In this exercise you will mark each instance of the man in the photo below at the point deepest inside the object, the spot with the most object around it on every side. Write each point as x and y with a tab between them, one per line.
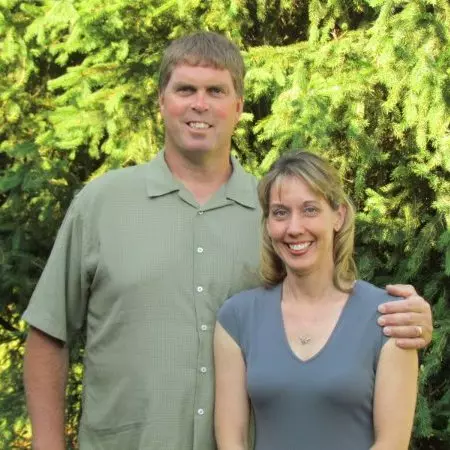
145	257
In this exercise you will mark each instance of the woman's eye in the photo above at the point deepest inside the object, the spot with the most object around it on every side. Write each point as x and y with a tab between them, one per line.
279	212
311	211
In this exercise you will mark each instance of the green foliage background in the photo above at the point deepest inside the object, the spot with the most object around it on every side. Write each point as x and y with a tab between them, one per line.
366	83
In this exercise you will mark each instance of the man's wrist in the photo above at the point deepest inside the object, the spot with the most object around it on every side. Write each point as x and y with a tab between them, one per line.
49	444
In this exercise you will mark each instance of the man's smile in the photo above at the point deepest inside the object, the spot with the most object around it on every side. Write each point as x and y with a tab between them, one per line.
198	125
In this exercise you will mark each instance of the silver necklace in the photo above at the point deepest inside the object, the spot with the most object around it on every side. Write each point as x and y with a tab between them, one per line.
304	339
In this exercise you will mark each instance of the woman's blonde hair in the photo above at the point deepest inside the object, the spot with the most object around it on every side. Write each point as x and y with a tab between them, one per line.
324	180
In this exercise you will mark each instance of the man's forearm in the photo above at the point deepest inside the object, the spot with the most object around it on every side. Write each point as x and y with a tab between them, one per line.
45	377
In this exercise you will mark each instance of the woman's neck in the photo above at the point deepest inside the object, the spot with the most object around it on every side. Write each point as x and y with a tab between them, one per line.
310	289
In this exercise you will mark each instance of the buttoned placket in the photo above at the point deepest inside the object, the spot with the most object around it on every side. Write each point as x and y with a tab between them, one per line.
205	275
205	324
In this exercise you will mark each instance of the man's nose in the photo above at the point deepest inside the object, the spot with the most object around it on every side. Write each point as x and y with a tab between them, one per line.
200	102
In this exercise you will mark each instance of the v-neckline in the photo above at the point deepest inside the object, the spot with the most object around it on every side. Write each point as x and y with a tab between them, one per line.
331	337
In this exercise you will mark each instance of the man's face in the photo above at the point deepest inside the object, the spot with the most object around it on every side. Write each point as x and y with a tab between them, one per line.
200	108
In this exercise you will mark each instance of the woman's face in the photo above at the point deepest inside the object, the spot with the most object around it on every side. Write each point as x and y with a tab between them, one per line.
301	225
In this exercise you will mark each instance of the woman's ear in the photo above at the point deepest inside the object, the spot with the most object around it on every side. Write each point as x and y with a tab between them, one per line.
340	217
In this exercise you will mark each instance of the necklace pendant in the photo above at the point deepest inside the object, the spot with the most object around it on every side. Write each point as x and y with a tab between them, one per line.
304	339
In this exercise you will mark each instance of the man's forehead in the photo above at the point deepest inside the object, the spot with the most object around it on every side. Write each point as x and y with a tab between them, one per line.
198	65
200	61
184	72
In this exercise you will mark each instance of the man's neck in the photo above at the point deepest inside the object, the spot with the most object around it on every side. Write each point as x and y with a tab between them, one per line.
202	174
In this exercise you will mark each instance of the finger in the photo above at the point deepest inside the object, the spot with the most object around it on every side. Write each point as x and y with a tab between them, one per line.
401	290
403	318
412	331
411	304
409	344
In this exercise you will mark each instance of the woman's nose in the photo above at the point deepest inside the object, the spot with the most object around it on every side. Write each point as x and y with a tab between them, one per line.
296	225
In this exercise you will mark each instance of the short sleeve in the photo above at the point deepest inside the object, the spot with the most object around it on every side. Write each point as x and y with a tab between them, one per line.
228	318
58	304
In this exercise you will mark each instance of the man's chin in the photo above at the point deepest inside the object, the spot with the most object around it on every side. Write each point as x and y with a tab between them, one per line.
203	150
199	149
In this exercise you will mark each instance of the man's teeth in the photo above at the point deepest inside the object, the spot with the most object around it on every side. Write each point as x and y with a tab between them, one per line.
198	125
301	246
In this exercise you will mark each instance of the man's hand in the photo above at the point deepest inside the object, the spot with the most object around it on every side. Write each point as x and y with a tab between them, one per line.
409	320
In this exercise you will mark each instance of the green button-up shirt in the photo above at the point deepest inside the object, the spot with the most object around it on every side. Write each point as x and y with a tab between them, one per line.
146	267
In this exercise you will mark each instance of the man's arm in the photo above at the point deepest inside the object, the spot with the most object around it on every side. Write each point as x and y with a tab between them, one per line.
45	377
409	321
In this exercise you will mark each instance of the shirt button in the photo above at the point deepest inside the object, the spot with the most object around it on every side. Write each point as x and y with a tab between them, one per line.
200	412
203	369
201	212
199	249
203	327
199	288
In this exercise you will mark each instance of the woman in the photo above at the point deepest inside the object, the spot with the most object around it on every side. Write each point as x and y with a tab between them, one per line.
305	349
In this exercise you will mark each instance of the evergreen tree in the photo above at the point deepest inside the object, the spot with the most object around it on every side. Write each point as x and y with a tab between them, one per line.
366	83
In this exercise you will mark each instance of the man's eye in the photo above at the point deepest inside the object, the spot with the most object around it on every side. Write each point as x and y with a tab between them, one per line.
185	90
216	91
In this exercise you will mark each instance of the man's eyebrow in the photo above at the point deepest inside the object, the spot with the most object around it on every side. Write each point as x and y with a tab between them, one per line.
183	84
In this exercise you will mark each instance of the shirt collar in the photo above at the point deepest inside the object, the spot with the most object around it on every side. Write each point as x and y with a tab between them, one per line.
160	180
241	187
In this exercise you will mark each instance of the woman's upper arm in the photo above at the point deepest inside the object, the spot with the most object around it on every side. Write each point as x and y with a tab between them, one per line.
231	403
395	397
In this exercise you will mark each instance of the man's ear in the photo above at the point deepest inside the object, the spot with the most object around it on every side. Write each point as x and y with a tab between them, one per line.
239	108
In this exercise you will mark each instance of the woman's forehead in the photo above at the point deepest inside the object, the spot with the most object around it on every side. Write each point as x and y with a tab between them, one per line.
291	185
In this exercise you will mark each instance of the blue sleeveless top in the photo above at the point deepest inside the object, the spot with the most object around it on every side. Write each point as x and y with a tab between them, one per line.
324	403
